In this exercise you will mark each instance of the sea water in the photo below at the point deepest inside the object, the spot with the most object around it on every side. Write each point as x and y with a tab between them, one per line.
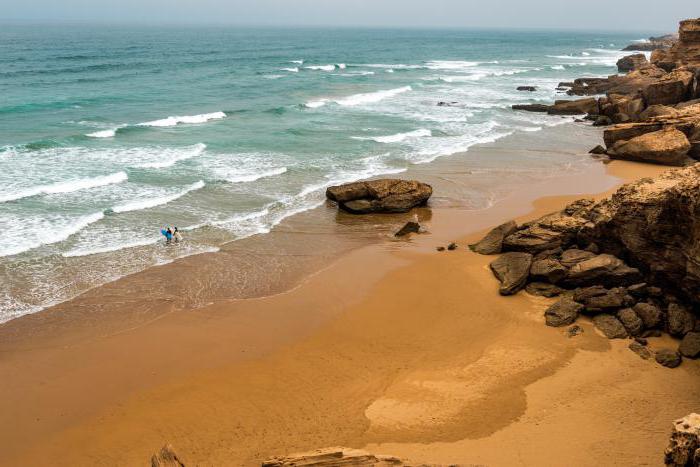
108	134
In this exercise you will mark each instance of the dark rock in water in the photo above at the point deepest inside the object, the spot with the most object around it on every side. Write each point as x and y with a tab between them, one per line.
667	147
452	246
492	243
690	345
610	326
543	289
574	330
576	107
632	323
602	120
410	227
166	457
532	107
668	358
573	256
640	350
566	84
446	104
562	313
512	270
650	314
384	195
547	270
680	320
631	62
527	88
598	150
683	448
602	269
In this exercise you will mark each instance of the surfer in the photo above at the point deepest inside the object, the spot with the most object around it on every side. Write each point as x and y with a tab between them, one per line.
168	234
177	236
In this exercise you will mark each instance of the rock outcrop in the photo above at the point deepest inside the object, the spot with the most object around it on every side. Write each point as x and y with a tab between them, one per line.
686	50
492	243
631	62
667	146
684	446
512	270
384	195
166	457
336	457
654	43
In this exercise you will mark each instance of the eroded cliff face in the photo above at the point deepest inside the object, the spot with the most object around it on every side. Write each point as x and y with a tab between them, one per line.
686	51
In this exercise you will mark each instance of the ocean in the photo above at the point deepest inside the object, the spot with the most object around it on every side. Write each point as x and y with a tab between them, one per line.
109	134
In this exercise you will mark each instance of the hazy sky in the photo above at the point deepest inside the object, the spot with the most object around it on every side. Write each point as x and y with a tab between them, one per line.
639	15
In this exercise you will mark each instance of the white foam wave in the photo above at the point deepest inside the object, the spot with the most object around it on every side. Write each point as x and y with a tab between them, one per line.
103	133
369	98
190	119
320	67
66	187
316	104
245	178
158	201
23	240
397	138
108	249
341	66
291	70
193	151
450	64
298	62
558	67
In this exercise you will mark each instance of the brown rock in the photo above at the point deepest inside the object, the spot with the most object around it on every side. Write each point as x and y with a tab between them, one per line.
602	269
576	107
547	270
532	107
562	313
657	111
680	320
667	147
512	270
334	457
668	358
631	62
573	256
640	350
410	227
650	314
385	195
670	89
543	289
492	243
632	323
684	444
610	326
598	150
166	457
690	345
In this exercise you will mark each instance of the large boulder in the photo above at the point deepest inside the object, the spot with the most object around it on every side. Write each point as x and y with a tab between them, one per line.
668	358
651	315
547	270
631	321
631	62
384	195
542	108
655	226
690	345
684	445
680	320
562	313
668	147
670	89
492	243
512	270
575	107
597	298
602	269
610	326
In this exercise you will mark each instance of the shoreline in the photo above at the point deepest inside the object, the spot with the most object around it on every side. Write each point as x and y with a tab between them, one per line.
171	368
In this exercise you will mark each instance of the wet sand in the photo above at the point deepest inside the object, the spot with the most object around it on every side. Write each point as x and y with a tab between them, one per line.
388	345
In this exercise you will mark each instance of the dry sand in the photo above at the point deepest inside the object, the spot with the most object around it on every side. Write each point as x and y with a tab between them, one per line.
394	347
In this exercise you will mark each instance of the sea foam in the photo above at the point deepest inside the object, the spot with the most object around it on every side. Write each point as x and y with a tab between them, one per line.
397	138
65	187
147	203
371	97
190	119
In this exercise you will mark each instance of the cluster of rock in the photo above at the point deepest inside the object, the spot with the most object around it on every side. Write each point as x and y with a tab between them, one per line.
337	457
654	43
383	195
684	446
654	109
630	262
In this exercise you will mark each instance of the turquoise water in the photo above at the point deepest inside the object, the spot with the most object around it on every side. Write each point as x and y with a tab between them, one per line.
108	134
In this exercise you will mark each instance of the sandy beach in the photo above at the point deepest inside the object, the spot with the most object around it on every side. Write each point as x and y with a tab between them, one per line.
366	342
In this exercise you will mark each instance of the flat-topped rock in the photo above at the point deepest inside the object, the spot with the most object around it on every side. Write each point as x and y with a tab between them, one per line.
631	62
384	195
668	147
337	457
